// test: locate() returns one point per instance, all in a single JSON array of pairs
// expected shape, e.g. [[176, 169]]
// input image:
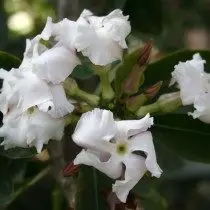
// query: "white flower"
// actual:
[[28, 129], [64, 32], [55, 65], [27, 89], [202, 106], [58, 106], [191, 79], [109, 144], [37, 82], [102, 39]]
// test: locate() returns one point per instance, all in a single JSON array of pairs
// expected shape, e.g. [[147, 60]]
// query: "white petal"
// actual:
[[27, 130], [48, 29], [33, 49], [190, 78], [95, 129], [143, 142], [202, 106], [117, 26], [64, 32], [31, 91], [112, 168], [101, 39], [133, 127], [135, 169], [61, 106], [43, 128], [14, 130], [55, 65]]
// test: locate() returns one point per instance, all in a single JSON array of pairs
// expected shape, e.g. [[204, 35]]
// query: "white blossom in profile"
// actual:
[[108, 144], [191, 79], [102, 39]]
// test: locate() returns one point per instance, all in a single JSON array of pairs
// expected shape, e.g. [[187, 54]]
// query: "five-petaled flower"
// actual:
[[109, 144]]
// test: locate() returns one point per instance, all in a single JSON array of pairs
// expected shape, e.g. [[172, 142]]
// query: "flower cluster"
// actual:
[[33, 100], [194, 86]]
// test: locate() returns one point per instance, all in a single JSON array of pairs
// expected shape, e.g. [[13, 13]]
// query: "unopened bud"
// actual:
[[169, 102], [145, 54], [134, 80], [153, 90], [166, 103], [70, 86], [133, 103], [70, 170], [136, 77]]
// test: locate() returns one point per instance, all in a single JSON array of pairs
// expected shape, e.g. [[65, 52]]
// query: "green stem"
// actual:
[[71, 119], [107, 91], [151, 108], [33, 181], [166, 103], [91, 99], [72, 90]]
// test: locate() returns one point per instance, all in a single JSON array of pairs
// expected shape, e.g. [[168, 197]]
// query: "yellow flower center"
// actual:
[[121, 149], [30, 110]]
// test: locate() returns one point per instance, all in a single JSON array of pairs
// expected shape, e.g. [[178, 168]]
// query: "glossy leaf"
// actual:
[[18, 153], [12, 174], [162, 68], [8, 61], [183, 135], [89, 194], [149, 196]]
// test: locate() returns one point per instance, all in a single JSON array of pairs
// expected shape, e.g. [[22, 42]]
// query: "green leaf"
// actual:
[[89, 194], [124, 69], [18, 153], [145, 16], [12, 174], [82, 72], [161, 69], [185, 136], [8, 61], [149, 195]]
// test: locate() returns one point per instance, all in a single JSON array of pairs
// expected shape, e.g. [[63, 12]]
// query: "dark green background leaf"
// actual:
[[161, 69], [89, 195], [187, 137], [18, 153], [145, 16], [8, 61]]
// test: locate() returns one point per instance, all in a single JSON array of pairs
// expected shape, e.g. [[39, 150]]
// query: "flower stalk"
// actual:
[[107, 91], [73, 90], [166, 103]]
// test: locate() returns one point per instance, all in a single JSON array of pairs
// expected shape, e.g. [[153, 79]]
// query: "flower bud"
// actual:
[[133, 103], [169, 102], [153, 90], [136, 77]]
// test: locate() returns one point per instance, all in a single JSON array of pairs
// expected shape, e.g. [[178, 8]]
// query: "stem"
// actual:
[[70, 119], [91, 99], [151, 108], [33, 181], [72, 90], [107, 91]]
